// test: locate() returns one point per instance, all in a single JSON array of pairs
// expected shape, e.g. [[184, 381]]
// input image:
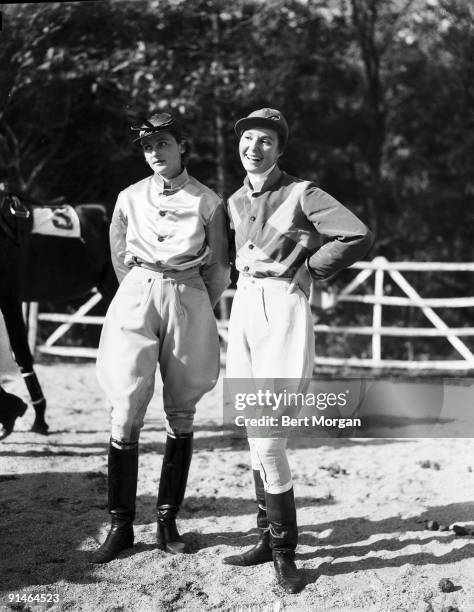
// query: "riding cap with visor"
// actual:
[[160, 122]]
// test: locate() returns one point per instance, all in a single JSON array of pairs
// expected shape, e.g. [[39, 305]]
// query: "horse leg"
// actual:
[[11, 407], [18, 337]]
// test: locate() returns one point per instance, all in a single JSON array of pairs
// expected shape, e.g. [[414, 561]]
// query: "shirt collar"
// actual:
[[171, 185], [272, 175]]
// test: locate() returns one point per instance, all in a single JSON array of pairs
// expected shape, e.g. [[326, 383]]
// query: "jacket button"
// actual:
[[252, 218], [250, 246], [162, 213], [246, 269], [161, 238]]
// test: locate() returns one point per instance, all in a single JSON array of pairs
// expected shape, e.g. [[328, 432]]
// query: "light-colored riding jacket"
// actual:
[[177, 226]]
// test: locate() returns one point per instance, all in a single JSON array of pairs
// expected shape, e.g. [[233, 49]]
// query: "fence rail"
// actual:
[[379, 268]]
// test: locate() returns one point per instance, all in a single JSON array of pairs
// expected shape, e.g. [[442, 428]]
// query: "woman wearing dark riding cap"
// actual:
[[287, 232]]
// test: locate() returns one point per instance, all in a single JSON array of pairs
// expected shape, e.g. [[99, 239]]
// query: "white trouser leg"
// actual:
[[157, 317], [269, 456], [189, 352], [270, 336], [128, 354]]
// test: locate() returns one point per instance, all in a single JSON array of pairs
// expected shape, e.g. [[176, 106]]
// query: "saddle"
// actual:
[[61, 221], [49, 218]]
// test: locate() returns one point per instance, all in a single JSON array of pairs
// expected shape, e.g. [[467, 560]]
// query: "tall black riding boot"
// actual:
[[174, 476], [122, 489], [281, 512], [261, 552]]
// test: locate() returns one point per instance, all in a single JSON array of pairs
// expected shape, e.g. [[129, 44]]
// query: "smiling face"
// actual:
[[259, 149], [163, 154]]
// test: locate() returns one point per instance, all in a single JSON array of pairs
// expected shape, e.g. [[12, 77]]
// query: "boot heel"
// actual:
[[286, 572], [168, 538]]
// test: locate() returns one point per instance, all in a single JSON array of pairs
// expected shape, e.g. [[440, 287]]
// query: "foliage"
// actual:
[[379, 96]]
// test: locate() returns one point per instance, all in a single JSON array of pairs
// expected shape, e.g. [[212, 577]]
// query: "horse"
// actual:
[[37, 267]]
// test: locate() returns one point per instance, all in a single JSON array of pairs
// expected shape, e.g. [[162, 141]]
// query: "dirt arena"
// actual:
[[362, 509]]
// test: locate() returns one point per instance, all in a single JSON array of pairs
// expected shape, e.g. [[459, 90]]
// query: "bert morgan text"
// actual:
[[288, 421]]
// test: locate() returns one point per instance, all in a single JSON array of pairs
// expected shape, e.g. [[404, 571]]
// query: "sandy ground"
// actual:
[[362, 507]]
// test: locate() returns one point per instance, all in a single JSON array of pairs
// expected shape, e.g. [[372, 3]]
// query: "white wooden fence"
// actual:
[[379, 268]]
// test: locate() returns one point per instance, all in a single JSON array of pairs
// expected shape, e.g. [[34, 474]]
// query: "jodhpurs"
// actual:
[[270, 336], [161, 318]]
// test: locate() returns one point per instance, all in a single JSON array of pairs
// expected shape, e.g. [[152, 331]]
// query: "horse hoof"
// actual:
[[5, 431], [16, 408], [40, 428]]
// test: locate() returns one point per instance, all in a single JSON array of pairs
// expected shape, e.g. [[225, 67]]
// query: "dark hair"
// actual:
[[180, 139]]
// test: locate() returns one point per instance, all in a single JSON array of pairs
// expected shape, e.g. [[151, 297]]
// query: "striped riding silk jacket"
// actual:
[[292, 222]]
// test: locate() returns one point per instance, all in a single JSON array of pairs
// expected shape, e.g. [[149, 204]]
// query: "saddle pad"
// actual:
[[60, 221]]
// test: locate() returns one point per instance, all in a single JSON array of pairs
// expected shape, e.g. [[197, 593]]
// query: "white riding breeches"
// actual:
[[270, 336]]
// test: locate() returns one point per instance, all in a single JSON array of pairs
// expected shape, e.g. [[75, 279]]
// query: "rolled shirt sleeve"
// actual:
[[345, 239]]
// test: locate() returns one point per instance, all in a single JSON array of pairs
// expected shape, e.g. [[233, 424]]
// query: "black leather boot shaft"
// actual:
[[281, 511], [261, 552], [122, 491], [175, 469], [173, 480], [122, 480], [262, 519]]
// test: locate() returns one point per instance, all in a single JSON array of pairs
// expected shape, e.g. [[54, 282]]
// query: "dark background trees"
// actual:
[[379, 95]]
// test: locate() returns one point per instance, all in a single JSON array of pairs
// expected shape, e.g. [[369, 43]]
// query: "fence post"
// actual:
[[32, 325], [30, 316], [377, 310]]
